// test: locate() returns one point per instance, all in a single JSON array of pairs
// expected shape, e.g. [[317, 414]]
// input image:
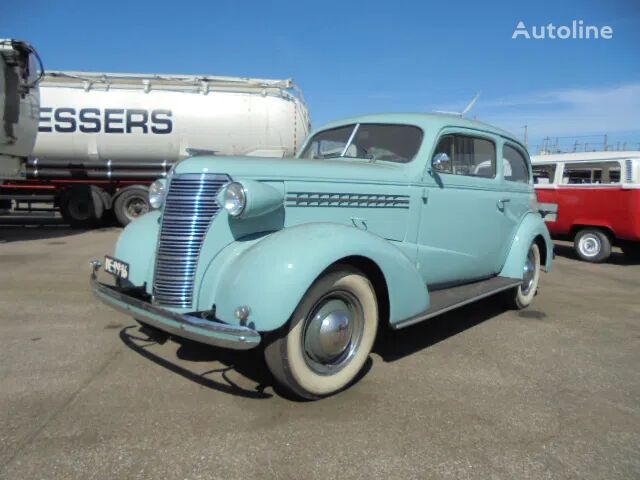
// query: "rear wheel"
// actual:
[[131, 203], [522, 296], [81, 206], [329, 336], [592, 245]]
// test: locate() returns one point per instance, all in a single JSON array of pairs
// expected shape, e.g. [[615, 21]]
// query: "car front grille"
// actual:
[[190, 206]]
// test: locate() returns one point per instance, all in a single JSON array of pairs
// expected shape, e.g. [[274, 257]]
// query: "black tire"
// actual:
[[82, 206], [592, 245], [339, 313], [130, 204], [631, 250], [522, 296]]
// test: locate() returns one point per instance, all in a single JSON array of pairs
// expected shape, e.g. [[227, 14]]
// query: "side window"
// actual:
[[465, 155], [544, 174], [590, 173], [515, 165]]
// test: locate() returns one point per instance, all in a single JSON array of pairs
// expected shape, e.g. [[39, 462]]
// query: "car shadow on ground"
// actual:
[[249, 364], [394, 345], [391, 345], [616, 258]]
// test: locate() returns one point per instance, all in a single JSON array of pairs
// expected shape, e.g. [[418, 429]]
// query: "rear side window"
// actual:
[[544, 174], [591, 173], [515, 165], [465, 155]]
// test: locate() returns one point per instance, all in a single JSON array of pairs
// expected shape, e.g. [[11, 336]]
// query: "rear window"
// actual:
[[390, 143]]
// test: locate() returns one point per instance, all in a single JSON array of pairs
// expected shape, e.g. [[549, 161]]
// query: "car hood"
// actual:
[[266, 168]]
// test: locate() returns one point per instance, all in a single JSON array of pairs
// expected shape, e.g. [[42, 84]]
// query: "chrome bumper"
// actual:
[[186, 326]]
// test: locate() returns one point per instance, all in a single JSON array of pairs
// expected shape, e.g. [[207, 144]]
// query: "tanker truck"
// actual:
[[19, 103], [104, 137]]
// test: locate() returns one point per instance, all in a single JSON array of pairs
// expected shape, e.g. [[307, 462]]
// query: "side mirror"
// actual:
[[440, 160]]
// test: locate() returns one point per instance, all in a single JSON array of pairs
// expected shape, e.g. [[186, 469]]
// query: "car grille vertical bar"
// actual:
[[189, 208]]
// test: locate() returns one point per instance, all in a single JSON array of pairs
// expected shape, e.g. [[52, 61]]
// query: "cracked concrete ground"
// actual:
[[550, 392]]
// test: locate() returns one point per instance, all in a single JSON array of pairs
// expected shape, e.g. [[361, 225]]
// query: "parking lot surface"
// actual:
[[479, 393]]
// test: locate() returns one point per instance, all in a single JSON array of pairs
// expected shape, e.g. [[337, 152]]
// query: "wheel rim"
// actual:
[[135, 207], [332, 332], [589, 245], [529, 272], [79, 209]]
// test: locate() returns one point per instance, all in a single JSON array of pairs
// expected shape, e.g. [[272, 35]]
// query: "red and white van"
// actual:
[[598, 198]]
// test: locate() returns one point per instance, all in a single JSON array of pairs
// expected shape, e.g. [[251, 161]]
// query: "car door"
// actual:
[[462, 224], [517, 190]]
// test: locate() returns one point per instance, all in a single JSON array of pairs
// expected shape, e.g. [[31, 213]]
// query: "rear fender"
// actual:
[[270, 275], [531, 227]]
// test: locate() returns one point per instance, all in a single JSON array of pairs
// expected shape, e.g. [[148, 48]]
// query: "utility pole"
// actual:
[[526, 136]]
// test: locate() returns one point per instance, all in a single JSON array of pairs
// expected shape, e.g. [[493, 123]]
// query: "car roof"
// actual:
[[431, 121]]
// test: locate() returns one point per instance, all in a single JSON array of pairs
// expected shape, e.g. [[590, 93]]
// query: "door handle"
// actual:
[[501, 203]]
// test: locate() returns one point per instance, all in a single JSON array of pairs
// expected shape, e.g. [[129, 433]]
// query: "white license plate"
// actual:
[[116, 267]]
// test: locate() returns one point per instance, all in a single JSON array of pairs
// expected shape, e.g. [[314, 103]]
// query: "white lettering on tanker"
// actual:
[[108, 120]]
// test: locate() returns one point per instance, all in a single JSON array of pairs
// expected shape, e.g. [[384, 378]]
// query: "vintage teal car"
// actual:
[[381, 220]]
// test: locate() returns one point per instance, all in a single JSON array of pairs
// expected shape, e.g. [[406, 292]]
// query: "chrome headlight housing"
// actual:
[[157, 192], [235, 199]]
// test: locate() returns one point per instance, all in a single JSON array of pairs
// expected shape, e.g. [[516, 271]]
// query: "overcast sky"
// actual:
[[362, 57]]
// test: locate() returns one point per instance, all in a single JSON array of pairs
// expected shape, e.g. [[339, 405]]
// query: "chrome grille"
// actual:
[[189, 208]]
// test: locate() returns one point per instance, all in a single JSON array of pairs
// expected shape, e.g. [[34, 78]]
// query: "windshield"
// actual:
[[392, 143]]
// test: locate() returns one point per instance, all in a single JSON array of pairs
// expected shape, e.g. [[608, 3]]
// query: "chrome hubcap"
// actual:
[[529, 273], [589, 245], [332, 332]]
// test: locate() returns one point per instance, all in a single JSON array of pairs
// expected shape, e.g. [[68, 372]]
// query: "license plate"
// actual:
[[116, 267]]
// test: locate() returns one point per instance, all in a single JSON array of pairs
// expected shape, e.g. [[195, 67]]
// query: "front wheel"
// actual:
[[522, 296], [329, 336]]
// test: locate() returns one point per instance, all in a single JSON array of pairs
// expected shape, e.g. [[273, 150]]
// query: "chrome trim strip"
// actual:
[[362, 200], [353, 134], [187, 326]]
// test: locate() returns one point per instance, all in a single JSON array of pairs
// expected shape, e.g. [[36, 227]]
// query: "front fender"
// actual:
[[532, 226], [271, 274], [136, 246]]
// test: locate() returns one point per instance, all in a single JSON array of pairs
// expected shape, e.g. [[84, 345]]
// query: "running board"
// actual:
[[450, 298]]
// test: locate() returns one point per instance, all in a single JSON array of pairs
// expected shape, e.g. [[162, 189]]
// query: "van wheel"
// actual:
[[592, 245], [131, 203], [81, 206], [327, 341], [522, 296]]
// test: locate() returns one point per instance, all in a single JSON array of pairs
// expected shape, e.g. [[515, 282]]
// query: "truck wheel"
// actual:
[[81, 206], [522, 296], [631, 250], [327, 341], [592, 245], [131, 203]]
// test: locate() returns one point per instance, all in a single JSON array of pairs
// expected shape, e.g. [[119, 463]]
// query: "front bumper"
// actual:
[[182, 325]]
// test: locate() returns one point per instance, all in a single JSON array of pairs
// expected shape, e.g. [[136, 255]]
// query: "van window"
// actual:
[[515, 165], [544, 174], [465, 155], [591, 173]]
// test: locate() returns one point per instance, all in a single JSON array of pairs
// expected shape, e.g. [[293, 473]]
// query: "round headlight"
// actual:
[[156, 193], [235, 199]]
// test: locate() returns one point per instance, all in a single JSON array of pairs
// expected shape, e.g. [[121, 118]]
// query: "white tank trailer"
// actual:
[[19, 103], [104, 137]]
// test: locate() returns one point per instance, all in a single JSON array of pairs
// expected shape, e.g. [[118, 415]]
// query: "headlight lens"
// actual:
[[156, 193], [235, 199]]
